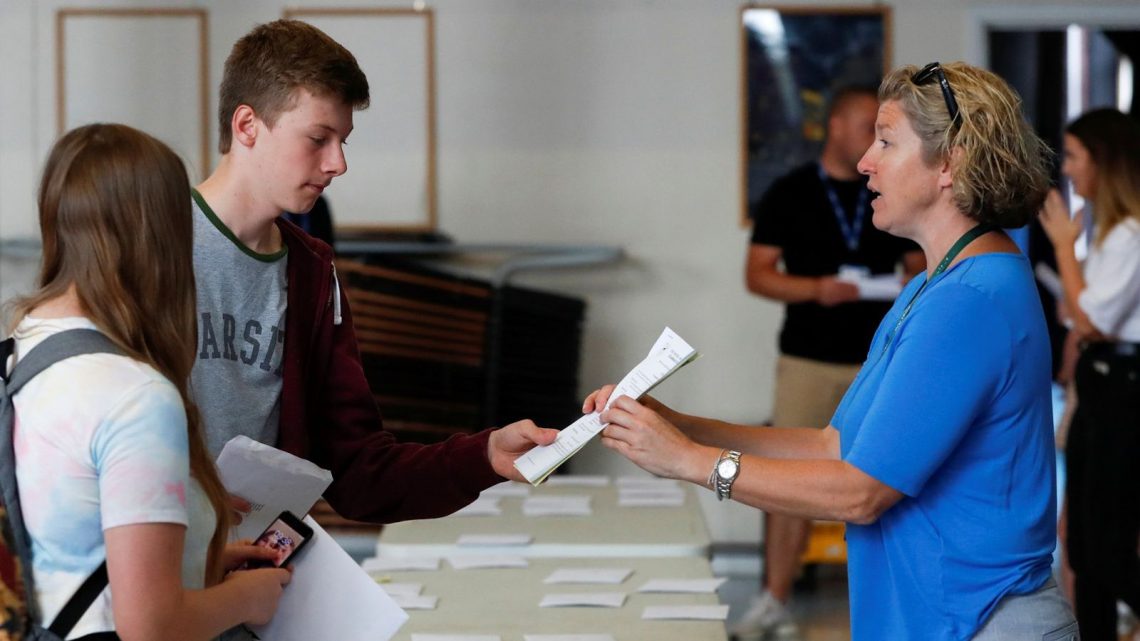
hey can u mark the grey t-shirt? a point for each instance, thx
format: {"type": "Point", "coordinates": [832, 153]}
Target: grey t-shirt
{"type": "Point", "coordinates": [241, 333]}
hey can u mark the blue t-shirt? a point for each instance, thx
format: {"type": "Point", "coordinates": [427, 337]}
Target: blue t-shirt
{"type": "Point", "coordinates": [954, 412]}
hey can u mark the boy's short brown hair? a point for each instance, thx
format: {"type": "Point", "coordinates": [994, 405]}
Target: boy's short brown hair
{"type": "Point", "coordinates": [268, 64]}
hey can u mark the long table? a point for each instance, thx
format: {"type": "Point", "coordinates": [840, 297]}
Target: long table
{"type": "Point", "coordinates": [505, 601]}
{"type": "Point", "coordinates": [610, 531]}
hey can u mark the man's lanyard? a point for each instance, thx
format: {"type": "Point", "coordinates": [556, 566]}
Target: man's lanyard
{"type": "Point", "coordinates": [851, 231]}
{"type": "Point", "coordinates": [956, 249]}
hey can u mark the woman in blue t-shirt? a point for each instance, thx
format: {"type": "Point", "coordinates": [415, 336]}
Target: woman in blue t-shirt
{"type": "Point", "coordinates": [940, 456]}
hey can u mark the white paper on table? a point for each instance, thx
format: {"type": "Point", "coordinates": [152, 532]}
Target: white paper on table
{"type": "Point", "coordinates": [456, 637]}
{"type": "Point", "coordinates": [586, 599]}
{"type": "Point", "coordinates": [703, 612]}
{"type": "Point", "coordinates": [667, 355]}
{"type": "Point", "coordinates": [271, 480]}
{"type": "Point", "coordinates": [562, 499]}
{"type": "Point", "coordinates": [690, 586]}
{"type": "Point", "coordinates": [589, 575]}
{"type": "Point", "coordinates": [506, 488]}
{"type": "Point", "coordinates": [402, 589]}
{"type": "Point", "coordinates": [651, 493]}
{"type": "Point", "coordinates": [568, 637]}
{"type": "Point", "coordinates": [651, 500]}
{"type": "Point", "coordinates": [557, 506]}
{"type": "Point", "coordinates": [557, 510]}
{"type": "Point", "coordinates": [331, 597]}
{"type": "Point", "coordinates": [577, 480]}
{"type": "Point", "coordinates": [388, 564]}
{"type": "Point", "coordinates": [482, 506]}
{"type": "Point", "coordinates": [884, 287]}
{"type": "Point", "coordinates": [494, 539]}
{"type": "Point", "coordinates": [475, 562]}
{"type": "Point", "coordinates": [415, 601]}
{"type": "Point", "coordinates": [629, 483]}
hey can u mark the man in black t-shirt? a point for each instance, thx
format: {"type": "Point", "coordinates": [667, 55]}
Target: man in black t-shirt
{"type": "Point", "coordinates": [816, 220]}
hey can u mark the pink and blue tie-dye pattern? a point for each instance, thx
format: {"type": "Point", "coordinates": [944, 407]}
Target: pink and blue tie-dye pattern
{"type": "Point", "coordinates": [100, 442]}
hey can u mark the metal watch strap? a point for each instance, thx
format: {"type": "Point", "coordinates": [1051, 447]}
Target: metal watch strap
{"type": "Point", "coordinates": [724, 485]}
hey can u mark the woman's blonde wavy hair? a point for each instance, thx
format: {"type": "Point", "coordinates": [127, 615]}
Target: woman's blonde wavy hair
{"type": "Point", "coordinates": [1000, 167]}
{"type": "Point", "coordinates": [115, 218]}
{"type": "Point", "coordinates": [1113, 142]}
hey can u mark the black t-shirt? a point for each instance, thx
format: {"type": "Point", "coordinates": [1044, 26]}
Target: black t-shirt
{"type": "Point", "coordinates": [796, 215]}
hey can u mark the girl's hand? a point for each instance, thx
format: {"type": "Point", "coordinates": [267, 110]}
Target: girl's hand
{"type": "Point", "coordinates": [238, 553]}
{"type": "Point", "coordinates": [1062, 230]}
{"type": "Point", "coordinates": [261, 591]}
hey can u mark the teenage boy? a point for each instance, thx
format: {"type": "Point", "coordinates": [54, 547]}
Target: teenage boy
{"type": "Point", "coordinates": [277, 354]}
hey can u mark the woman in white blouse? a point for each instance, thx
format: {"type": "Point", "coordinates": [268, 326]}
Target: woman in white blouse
{"type": "Point", "coordinates": [1101, 524]}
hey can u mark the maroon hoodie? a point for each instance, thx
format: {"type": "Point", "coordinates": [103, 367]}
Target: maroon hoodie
{"type": "Point", "coordinates": [329, 415]}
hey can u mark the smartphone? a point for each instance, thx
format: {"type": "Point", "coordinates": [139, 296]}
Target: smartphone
{"type": "Point", "coordinates": [287, 535]}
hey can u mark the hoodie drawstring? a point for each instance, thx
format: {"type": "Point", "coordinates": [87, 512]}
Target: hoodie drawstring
{"type": "Point", "coordinates": [336, 297]}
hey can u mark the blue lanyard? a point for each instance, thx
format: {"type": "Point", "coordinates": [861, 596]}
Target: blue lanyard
{"type": "Point", "coordinates": [851, 232]}
{"type": "Point", "coordinates": [966, 239]}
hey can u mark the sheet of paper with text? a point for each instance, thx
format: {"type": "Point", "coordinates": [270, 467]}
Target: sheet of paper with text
{"type": "Point", "coordinates": [668, 355]}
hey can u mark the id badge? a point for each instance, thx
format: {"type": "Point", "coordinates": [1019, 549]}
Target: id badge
{"type": "Point", "coordinates": [854, 272]}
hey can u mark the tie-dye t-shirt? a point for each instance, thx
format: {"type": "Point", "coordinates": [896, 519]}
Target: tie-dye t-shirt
{"type": "Point", "coordinates": [100, 442]}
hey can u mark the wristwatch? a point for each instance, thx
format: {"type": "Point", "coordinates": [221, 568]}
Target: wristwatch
{"type": "Point", "coordinates": [725, 473]}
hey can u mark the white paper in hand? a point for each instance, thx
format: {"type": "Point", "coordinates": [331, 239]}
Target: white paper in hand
{"type": "Point", "coordinates": [669, 353]}
{"type": "Point", "coordinates": [271, 480]}
{"type": "Point", "coordinates": [331, 597]}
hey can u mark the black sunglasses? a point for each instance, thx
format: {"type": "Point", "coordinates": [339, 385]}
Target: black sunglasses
{"type": "Point", "coordinates": [934, 70]}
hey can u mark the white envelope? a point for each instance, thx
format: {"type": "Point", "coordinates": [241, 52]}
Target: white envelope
{"type": "Point", "coordinates": [589, 599]}
{"type": "Point", "coordinates": [691, 586]}
{"type": "Point", "coordinates": [271, 480]}
{"type": "Point", "coordinates": [701, 612]}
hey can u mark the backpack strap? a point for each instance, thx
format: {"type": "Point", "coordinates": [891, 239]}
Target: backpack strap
{"type": "Point", "coordinates": [53, 349]}
{"type": "Point", "coordinates": [80, 602]}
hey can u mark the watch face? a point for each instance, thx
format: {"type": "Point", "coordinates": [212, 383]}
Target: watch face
{"type": "Point", "coordinates": [726, 469]}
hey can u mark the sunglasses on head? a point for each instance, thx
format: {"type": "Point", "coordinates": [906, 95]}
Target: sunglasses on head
{"type": "Point", "coordinates": [934, 70]}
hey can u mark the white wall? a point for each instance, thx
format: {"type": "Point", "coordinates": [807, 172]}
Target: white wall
{"type": "Point", "coordinates": [584, 121]}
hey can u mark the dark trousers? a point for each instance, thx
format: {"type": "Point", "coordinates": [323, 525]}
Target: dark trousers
{"type": "Point", "coordinates": [1103, 490]}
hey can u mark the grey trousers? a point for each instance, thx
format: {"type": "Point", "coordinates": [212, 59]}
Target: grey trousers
{"type": "Point", "coordinates": [1044, 615]}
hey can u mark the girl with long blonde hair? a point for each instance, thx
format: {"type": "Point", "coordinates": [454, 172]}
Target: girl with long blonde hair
{"type": "Point", "coordinates": [110, 459]}
{"type": "Point", "coordinates": [1100, 523]}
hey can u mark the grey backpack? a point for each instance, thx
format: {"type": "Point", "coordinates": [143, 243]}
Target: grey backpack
{"type": "Point", "coordinates": [17, 608]}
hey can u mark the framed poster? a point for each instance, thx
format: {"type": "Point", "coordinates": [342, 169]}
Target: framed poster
{"type": "Point", "coordinates": [114, 65]}
{"type": "Point", "coordinates": [793, 59]}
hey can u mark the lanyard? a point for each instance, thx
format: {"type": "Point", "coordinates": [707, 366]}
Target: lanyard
{"type": "Point", "coordinates": [966, 239]}
{"type": "Point", "coordinates": [852, 231]}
